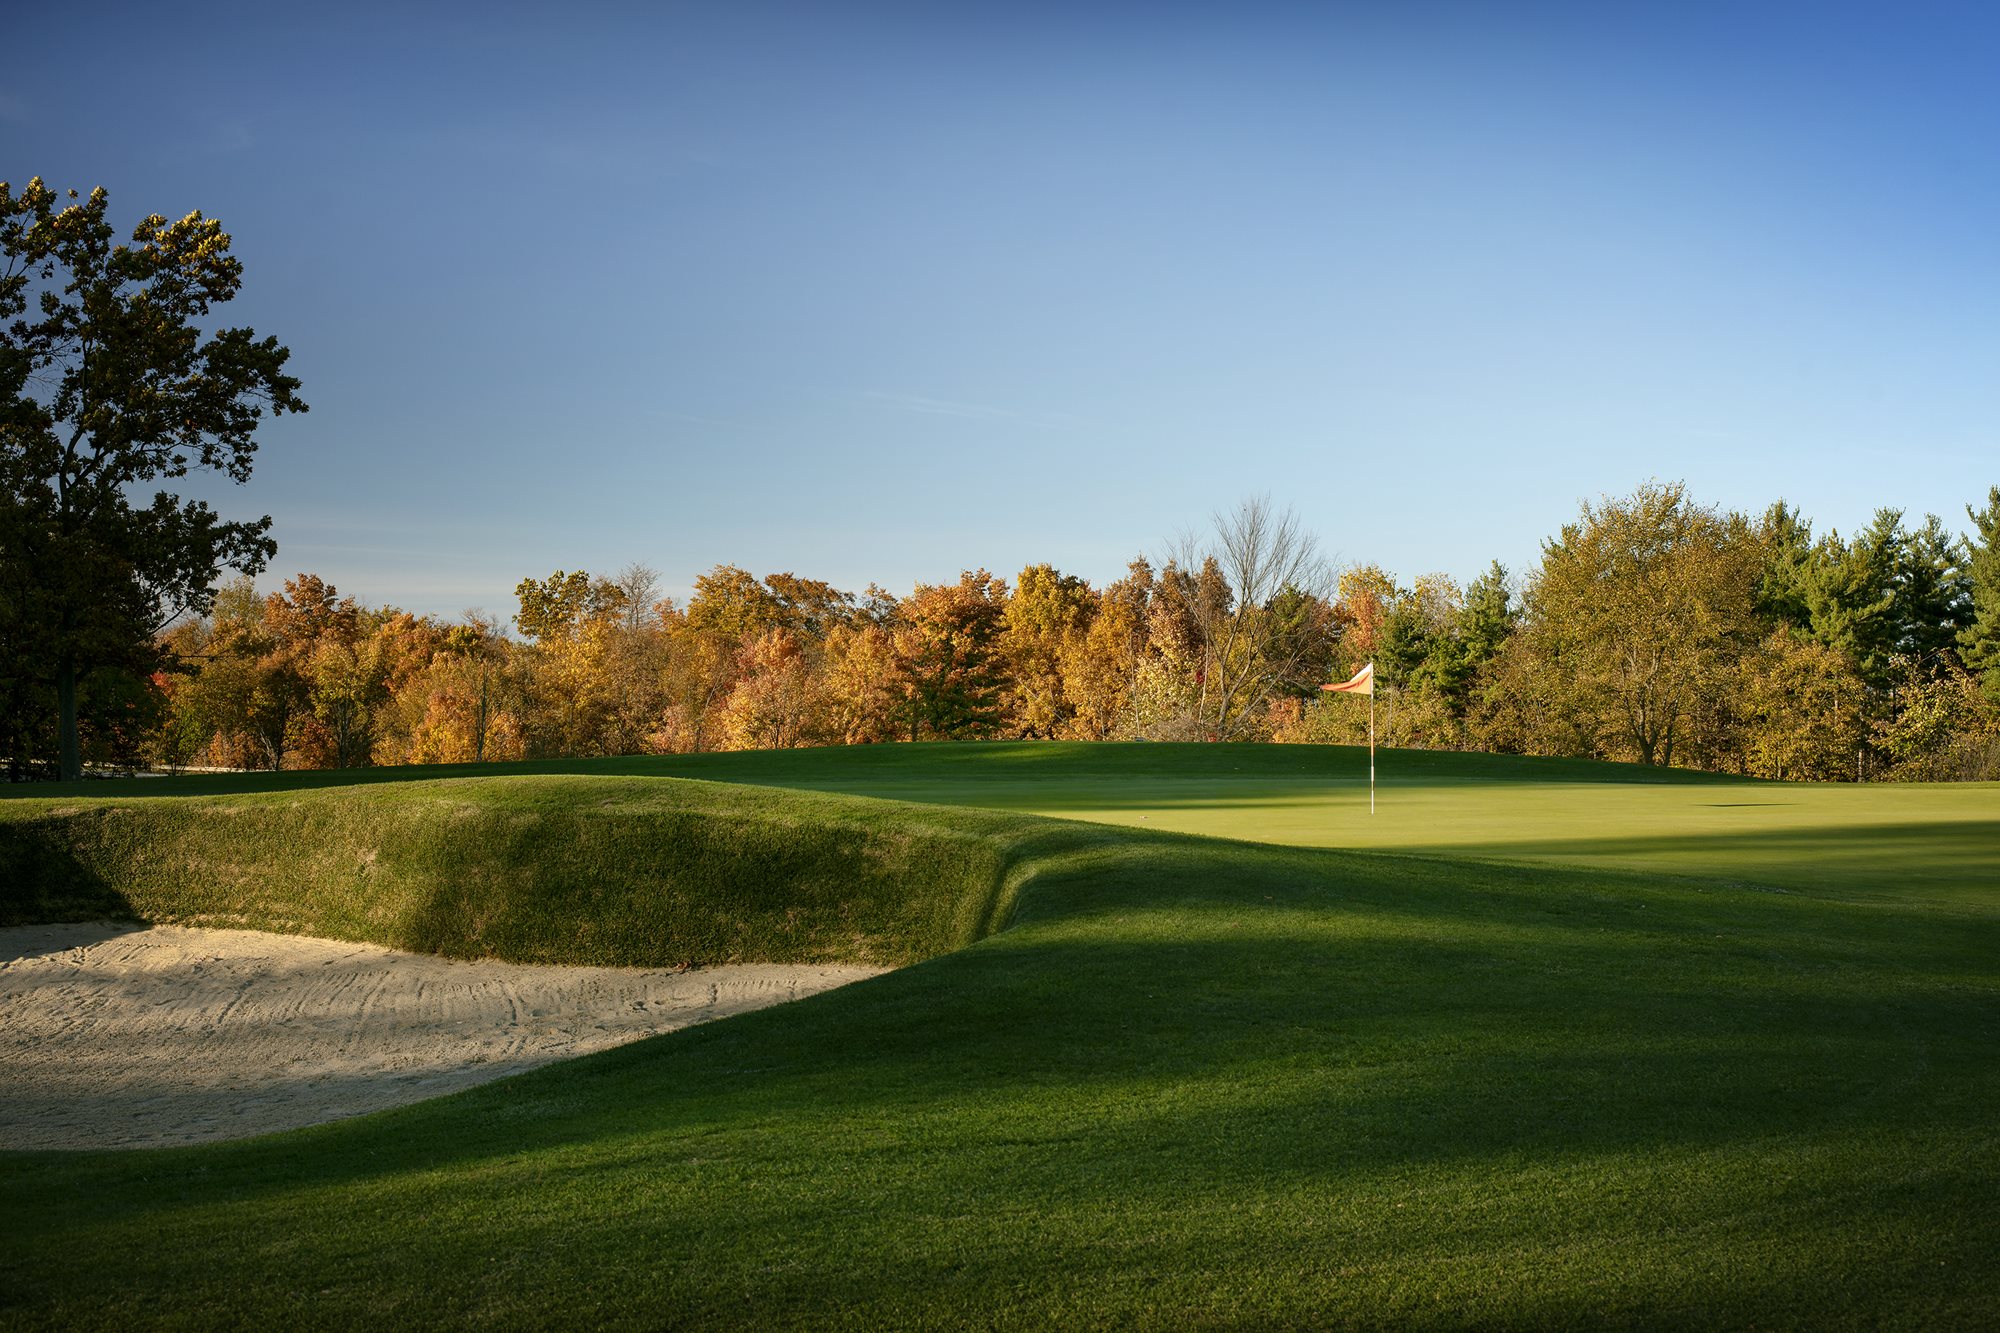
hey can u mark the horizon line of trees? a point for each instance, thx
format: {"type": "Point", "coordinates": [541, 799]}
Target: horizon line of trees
{"type": "Point", "coordinates": [1654, 629]}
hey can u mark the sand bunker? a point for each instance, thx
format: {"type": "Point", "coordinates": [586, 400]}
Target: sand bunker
{"type": "Point", "coordinates": [138, 1037]}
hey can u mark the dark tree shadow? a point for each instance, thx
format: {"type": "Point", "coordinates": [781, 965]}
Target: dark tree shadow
{"type": "Point", "coordinates": [42, 880]}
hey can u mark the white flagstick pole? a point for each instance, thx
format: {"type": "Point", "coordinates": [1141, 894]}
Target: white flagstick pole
{"type": "Point", "coordinates": [1371, 738]}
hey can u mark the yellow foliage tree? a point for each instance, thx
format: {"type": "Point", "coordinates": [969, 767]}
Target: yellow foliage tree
{"type": "Point", "coordinates": [1048, 611]}
{"type": "Point", "coordinates": [778, 701]}
{"type": "Point", "coordinates": [864, 685]}
{"type": "Point", "coordinates": [1641, 610]}
{"type": "Point", "coordinates": [1806, 709]}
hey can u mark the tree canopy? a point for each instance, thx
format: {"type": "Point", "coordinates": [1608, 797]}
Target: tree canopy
{"type": "Point", "coordinates": [1640, 607]}
{"type": "Point", "coordinates": [110, 382]}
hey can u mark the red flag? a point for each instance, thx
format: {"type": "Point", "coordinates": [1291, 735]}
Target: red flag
{"type": "Point", "coordinates": [1363, 682]}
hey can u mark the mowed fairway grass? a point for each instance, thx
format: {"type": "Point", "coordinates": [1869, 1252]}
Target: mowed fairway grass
{"type": "Point", "coordinates": [1185, 1037]}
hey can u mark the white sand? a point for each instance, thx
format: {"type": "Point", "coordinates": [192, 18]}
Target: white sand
{"type": "Point", "coordinates": [137, 1037]}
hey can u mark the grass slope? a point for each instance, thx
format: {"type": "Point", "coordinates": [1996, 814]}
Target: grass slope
{"type": "Point", "coordinates": [571, 869]}
{"type": "Point", "coordinates": [1195, 1081]}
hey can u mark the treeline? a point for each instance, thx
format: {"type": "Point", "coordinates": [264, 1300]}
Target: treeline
{"type": "Point", "coordinates": [1654, 629]}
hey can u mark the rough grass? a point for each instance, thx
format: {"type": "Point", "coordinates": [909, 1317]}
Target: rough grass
{"type": "Point", "coordinates": [603, 871]}
{"type": "Point", "coordinates": [1509, 1081]}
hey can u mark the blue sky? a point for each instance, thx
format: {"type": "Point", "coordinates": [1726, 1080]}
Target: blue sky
{"type": "Point", "coordinates": [878, 292]}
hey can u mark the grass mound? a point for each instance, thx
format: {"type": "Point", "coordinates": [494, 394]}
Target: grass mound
{"type": "Point", "coordinates": [550, 869]}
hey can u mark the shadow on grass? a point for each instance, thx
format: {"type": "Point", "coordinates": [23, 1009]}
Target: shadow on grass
{"type": "Point", "coordinates": [1560, 996]}
{"type": "Point", "coordinates": [42, 880]}
{"type": "Point", "coordinates": [1187, 1057]}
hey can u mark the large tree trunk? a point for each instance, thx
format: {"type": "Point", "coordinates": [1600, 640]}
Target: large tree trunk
{"type": "Point", "coordinates": [71, 751]}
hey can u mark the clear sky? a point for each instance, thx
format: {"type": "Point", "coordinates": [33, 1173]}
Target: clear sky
{"type": "Point", "coordinates": [880, 292]}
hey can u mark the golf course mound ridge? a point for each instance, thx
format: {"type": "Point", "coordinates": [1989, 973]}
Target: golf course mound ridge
{"type": "Point", "coordinates": [579, 870]}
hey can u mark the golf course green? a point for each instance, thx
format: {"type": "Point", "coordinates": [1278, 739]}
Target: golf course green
{"type": "Point", "coordinates": [1179, 1036]}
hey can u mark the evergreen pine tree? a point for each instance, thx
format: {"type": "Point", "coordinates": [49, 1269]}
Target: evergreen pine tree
{"type": "Point", "coordinates": [1979, 641]}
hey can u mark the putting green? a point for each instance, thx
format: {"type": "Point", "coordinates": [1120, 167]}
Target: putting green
{"type": "Point", "coordinates": [1938, 841]}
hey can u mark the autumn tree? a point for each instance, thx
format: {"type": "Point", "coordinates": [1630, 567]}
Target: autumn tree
{"type": "Point", "coordinates": [1641, 608]}
{"type": "Point", "coordinates": [865, 688]}
{"type": "Point", "coordinates": [573, 618]}
{"type": "Point", "coordinates": [732, 604]}
{"type": "Point", "coordinates": [1255, 603]}
{"type": "Point", "coordinates": [876, 606]}
{"type": "Point", "coordinates": [294, 678]}
{"type": "Point", "coordinates": [468, 703]}
{"type": "Point", "coordinates": [246, 690]}
{"type": "Point", "coordinates": [1806, 709]}
{"type": "Point", "coordinates": [1948, 729]}
{"type": "Point", "coordinates": [639, 591]}
{"type": "Point", "coordinates": [1175, 670]}
{"type": "Point", "coordinates": [699, 669]}
{"type": "Point", "coordinates": [1100, 667]}
{"type": "Point", "coordinates": [809, 608]}
{"type": "Point", "coordinates": [558, 607]}
{"type": "Point", "coordinates": [702, 654]}
{"type": "Point", "coordinates": [1364, 595]}
{"type": "Point", "coordinates": [317, 643]}
{"type": "Point", "coordinates": [948, 654]}
{"type": "Point", "coordinates": [109, 382]}
{"type": "Point", "coordinates": [357, 669]}
{"type": "Point", "coordinates": [407, 642]}
{"type": "Point", "coordinates": [633, 653]}
{"type": "Point", "coordinates": [1655, 628]}
{"type": "Point", "coordinates": [778, 702]}
{"type": "Point", "coordinates": [712, 652]}
{"type": "Point", "coordinates": [780, 627]}
{"type": "Point", "coordinates": [1047, 611]}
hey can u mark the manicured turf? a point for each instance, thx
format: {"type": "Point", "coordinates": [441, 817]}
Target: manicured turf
{"type": "Point", "coordinates": [1539, 1044]}
{"type": "Point", "coordinates": [1863, 840]}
